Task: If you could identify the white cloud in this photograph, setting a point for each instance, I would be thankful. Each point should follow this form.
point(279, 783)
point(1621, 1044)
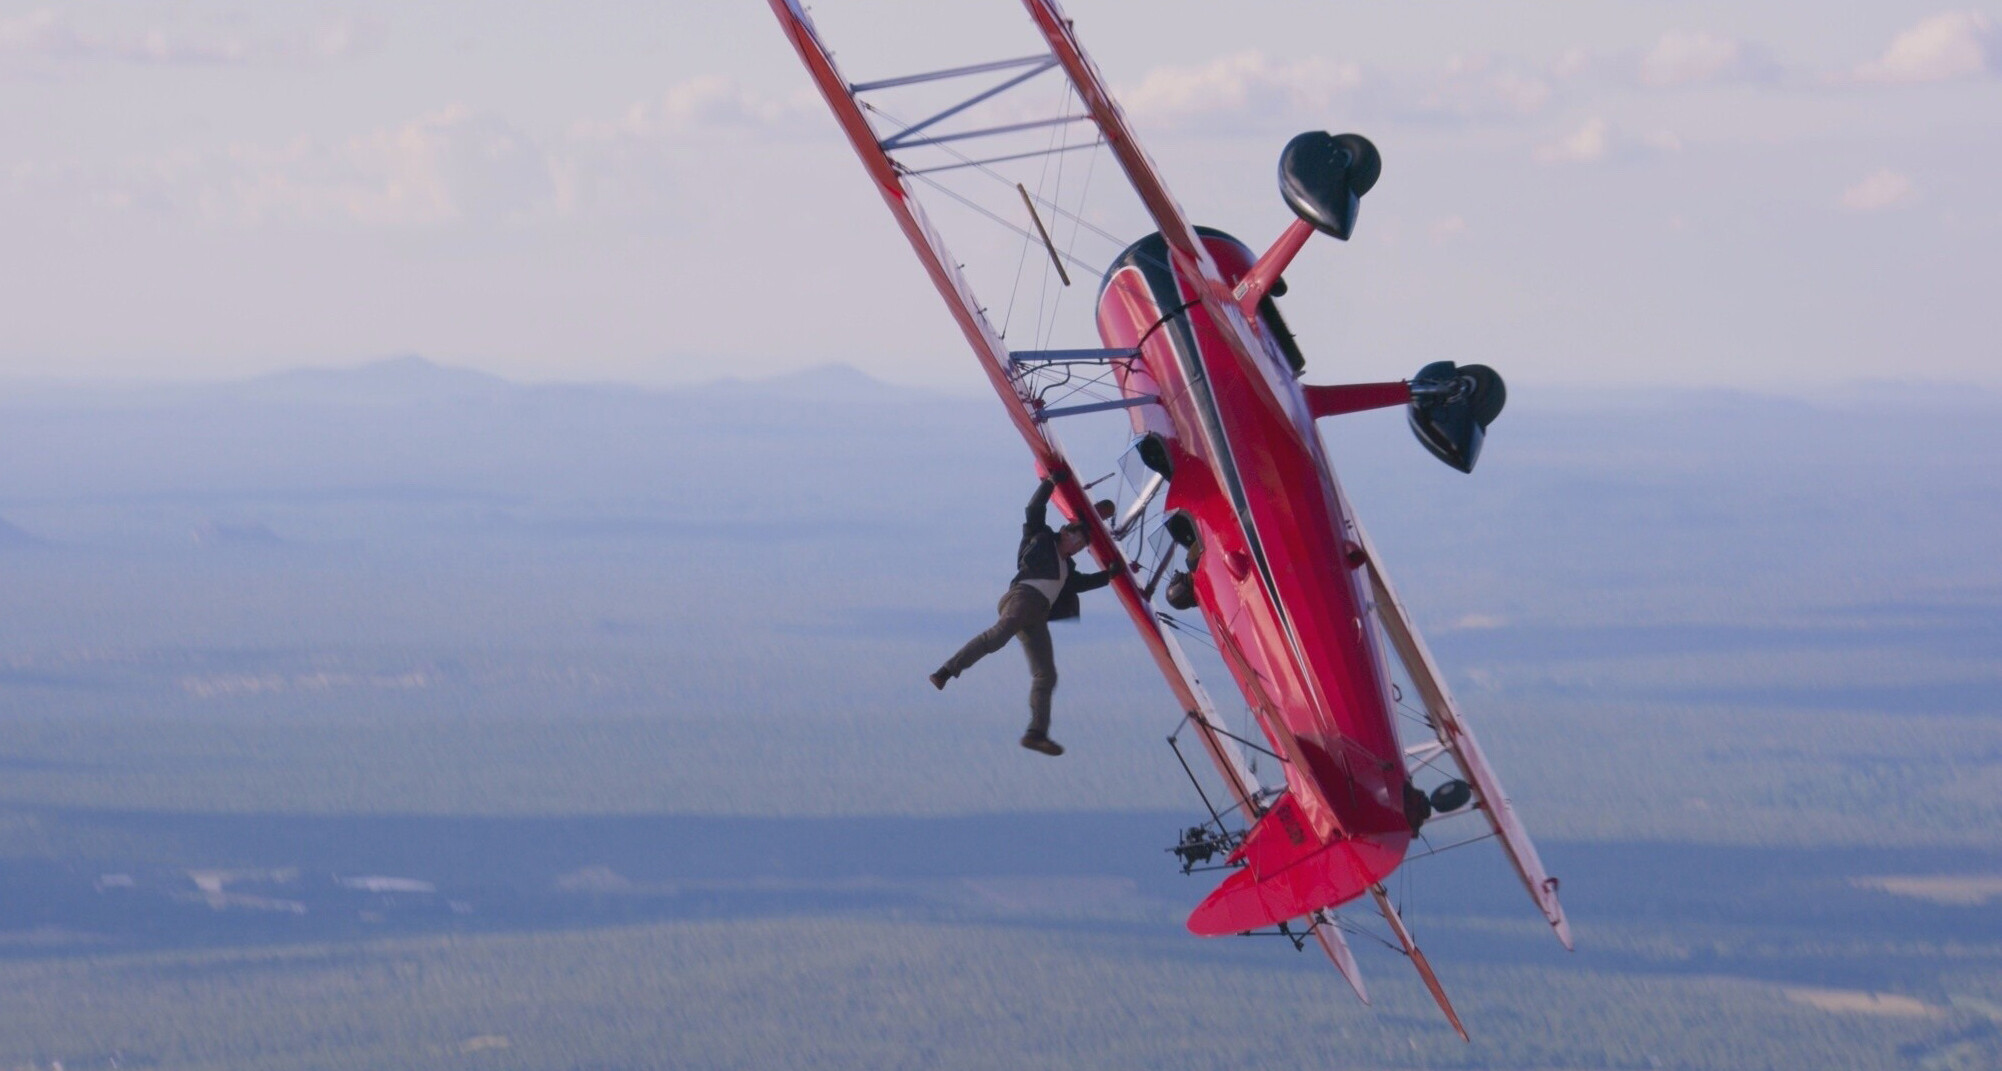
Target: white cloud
point(1587, 144)
point(344, 37)
point(1574, 63)
point(1881, 189)
point(26, 33)
point(1240, 86)
point(50, 36)
point(1474, 87)
point(1675, 60)
point(47, 34)
point(1951, 44)
point(450, 166)
point(707, 102)
point(1250, 90)
point(1596, 140)
point(1683, 58)
point(1447, 228)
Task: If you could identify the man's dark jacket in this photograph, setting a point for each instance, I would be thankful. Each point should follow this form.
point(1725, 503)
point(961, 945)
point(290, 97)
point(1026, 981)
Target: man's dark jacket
point(1036, 558)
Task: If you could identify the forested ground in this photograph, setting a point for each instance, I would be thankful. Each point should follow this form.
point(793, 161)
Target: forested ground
point(632, 683)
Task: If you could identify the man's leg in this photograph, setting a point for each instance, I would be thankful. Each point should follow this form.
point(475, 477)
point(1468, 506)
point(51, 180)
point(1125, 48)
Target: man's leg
point(1017, 608)
point(1036, 647)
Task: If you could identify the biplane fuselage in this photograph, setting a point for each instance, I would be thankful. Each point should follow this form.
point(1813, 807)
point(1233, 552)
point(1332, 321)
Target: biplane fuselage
point(1277, 576)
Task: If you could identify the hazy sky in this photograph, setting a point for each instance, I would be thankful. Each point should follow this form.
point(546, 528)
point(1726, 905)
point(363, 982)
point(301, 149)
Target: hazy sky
point(1771, 194)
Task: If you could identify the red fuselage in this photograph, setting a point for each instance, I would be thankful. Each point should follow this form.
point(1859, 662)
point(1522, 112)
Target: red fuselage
point(1276, 570)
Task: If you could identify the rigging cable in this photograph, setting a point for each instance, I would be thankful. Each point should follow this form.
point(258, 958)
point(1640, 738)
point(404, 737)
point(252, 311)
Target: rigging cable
point(981, 166)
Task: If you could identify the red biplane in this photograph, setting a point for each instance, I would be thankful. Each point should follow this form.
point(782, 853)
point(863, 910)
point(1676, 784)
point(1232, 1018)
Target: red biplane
point(1233, 482)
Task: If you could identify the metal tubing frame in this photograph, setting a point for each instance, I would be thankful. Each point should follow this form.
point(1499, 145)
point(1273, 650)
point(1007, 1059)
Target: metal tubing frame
point(1003, 159)
point(952, 72)
point(1043, 357)
point(901, 138)
point(1139, 506)
point(1043, 416)
point(898, 141)
point(1160, 569)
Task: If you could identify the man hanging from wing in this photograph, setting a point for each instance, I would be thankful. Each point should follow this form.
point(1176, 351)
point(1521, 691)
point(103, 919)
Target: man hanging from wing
point(1045, 589)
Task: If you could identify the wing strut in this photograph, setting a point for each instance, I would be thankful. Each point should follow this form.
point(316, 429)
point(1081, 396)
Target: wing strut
point(1418, 959)
point(1036, 218)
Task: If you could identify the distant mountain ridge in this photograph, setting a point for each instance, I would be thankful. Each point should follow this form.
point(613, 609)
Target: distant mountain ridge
point(803, 445)
point(395, 380)
point(413, 380)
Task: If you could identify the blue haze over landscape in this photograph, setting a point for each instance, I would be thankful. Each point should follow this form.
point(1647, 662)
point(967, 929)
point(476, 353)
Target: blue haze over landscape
point(627, 684)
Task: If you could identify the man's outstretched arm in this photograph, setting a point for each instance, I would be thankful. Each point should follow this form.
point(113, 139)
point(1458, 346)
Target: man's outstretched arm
point(1093, 581)
point(1037, 515)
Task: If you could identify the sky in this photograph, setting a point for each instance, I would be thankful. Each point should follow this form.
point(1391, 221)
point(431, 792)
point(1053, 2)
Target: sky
point(1776, 195)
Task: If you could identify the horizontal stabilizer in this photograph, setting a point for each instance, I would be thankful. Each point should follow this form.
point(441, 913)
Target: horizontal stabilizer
point(1289, 873)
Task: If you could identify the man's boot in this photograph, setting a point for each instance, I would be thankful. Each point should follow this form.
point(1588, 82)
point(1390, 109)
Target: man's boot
point(939, 676)
point(1040, 741)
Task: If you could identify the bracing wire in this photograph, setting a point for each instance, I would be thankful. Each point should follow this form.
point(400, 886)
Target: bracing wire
point(1025, 234)
point(1062, 131)
point(1057, 134)
point(1077, 219)
point(981, 166)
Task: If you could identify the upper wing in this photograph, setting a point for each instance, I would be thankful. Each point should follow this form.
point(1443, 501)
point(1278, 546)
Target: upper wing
point(925, 241)
point(1191, 261)
point(893, 181)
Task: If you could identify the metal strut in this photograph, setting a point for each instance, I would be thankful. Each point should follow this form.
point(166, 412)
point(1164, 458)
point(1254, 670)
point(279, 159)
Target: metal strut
point(1036, 66)
point(1043, 357)
point(954, 72)
point(1003, 159)
point(1045, 415)
point(1030, 204)
point(900, 141)
point(1175, 745)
